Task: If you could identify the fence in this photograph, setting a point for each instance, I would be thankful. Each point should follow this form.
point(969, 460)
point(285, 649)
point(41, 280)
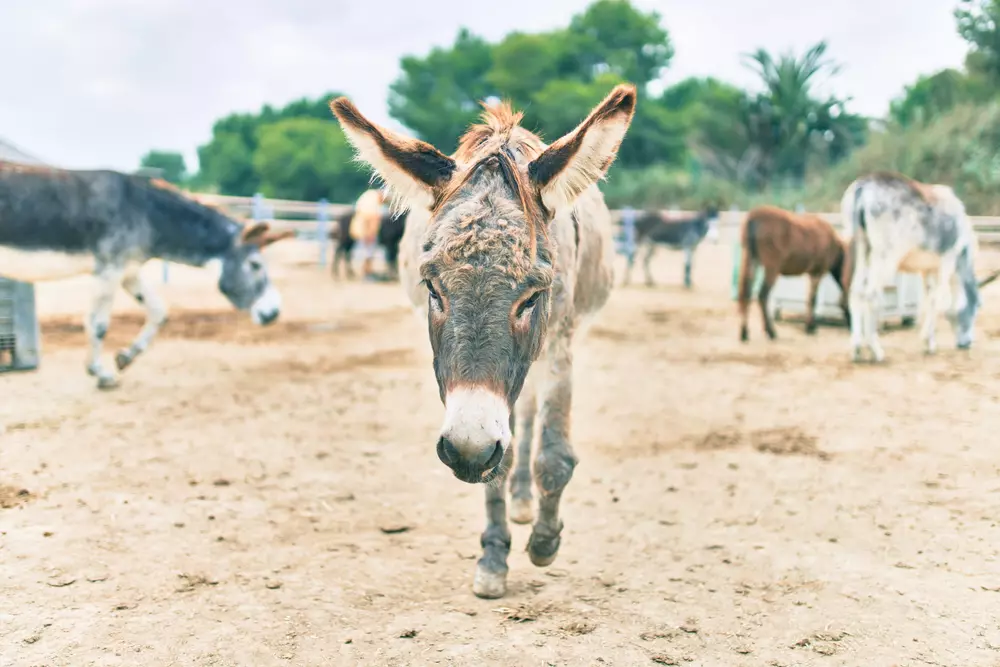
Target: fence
point(311, 220)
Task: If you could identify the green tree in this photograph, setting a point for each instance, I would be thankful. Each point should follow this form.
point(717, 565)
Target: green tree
point(554, 77)
point(307, 159)
point(438, 96)
point(979, 24)
point(170, 162)
point(227, 160)
point(786, 124)
point(930, 96)
point(612, 35)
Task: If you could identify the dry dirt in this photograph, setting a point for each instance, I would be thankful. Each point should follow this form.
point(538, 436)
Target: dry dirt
point(271, 496)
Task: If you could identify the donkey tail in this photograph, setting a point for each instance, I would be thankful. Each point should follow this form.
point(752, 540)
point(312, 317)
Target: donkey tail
point(750, 258)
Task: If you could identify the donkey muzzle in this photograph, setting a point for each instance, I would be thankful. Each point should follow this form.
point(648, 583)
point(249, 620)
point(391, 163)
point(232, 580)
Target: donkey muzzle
point(475, 434)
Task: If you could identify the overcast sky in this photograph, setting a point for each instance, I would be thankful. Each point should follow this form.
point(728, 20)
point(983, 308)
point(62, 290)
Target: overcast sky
point(96, 83)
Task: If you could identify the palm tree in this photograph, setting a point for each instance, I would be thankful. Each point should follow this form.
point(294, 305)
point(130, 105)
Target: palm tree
point(786, 123)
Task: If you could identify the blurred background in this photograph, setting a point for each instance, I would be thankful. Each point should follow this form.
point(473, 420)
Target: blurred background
point(742, 102)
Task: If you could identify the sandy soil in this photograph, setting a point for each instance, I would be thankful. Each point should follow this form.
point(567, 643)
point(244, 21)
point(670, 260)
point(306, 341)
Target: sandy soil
point(272, 497)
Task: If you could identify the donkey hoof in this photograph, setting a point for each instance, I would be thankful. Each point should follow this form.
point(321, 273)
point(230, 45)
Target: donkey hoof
point(542, 549)
point(489, 585)
point(811, 329)
point(521, 510)
point(744, 335)
point(122, 360)
point(963, 345)
point(106, 382)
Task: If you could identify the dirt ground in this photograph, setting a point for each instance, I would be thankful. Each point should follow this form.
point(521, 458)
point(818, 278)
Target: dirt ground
point(271, 496)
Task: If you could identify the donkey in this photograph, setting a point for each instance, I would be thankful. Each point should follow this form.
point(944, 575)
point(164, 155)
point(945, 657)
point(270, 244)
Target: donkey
point(508, 250)
point(57, 224)
point(653, 228)
point(903, 225)
point(390, 234)
point(790, 244)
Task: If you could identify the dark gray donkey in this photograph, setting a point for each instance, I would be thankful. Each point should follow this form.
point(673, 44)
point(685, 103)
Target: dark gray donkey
point(57, 224)
point(507, 249)
point(655, 228)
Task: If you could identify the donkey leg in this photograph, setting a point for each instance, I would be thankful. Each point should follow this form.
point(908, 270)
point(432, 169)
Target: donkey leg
point(860, 310)
point(646, 260)
point(491, 570)
point(107, 280)
point(928, 313)
point(156, 315)
point(555, 460)
point(629, 262)
point(811, 303)
point(770, 276)
point(520, 480)
point(688, 257)
point(873, 296)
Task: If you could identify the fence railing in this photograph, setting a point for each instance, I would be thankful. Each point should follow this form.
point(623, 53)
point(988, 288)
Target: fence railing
point(311, 220)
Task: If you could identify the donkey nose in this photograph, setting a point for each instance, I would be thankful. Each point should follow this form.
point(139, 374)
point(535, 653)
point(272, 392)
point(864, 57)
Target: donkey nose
point(486, 459)
point(475, 433)
point(469, 468)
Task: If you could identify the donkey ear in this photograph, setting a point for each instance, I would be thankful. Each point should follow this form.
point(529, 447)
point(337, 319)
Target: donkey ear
point(254, 233)
point(274, 237)
point(579, 159)
point(414, 170)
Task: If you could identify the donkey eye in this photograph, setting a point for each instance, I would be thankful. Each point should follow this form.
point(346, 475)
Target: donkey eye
point(432, 292)
point(255, 265)
point(528, 304)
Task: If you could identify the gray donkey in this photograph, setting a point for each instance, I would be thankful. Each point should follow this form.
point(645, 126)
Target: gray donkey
point(508, 247)
point(57, 224)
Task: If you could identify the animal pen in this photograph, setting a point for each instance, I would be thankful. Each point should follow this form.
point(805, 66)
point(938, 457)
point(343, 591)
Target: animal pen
point(19, 334)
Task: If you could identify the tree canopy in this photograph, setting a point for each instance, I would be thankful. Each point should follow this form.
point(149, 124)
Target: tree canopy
point(693, 131)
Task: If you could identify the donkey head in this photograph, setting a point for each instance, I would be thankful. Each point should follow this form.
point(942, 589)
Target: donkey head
point(488, 260)
point(243, 276)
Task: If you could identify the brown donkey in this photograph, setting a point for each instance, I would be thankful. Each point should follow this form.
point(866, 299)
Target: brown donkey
point(790, 244)
point(508, 247)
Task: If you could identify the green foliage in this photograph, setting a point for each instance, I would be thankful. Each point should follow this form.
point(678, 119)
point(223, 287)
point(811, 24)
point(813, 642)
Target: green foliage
point(307, 159)
point(294, 152)
point(787, 125)
point(978, 23)
point(700, 140)
point(931, 96)
point(555, 77)
point(170, 162)
point(438, 96)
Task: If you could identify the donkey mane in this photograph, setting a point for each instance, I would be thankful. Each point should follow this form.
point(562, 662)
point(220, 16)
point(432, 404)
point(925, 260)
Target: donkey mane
point(498, 145)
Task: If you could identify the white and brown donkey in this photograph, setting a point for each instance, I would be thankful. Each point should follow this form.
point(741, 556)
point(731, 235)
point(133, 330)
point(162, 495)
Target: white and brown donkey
point(508, 246)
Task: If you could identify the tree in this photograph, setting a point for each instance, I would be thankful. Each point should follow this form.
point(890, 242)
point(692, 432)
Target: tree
point(786, 124)
point(612, 35)
point(227, 161)
point(170, 162)
point(307, 159)
point(438, 96)
point(931, 96)
point(979, 24)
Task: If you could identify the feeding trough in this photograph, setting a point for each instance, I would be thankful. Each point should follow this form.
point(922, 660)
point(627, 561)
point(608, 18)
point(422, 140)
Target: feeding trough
point(19, 333)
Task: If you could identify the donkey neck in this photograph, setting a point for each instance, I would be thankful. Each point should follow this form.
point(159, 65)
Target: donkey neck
point(187, 232)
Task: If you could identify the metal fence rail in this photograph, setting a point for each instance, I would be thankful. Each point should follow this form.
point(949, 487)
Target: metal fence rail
point(311, 220)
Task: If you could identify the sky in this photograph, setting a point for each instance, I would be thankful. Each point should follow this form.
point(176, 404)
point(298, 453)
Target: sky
point(97, 83)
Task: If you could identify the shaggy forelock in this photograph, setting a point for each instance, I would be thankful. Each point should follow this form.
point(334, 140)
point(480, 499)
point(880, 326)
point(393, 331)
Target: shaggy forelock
point(490, 213)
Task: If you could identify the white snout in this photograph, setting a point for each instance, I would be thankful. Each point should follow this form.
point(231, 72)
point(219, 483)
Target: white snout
point(267, 306)
point(475, 420)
